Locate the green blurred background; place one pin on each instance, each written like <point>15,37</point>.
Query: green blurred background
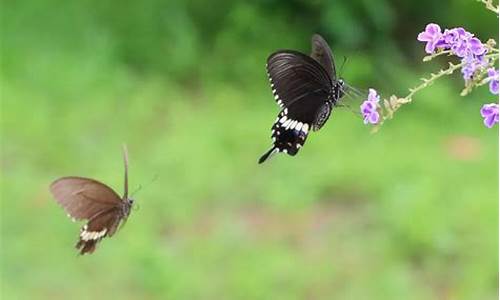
<point>408,213</point>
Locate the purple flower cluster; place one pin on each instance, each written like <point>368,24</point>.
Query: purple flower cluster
<point>490,114</point>
<point>461,43</point>
<point>369,108</point>
<point>471,51</point>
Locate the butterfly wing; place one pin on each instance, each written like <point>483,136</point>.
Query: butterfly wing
<point>296,77</point>
<point>83,198</point>
<point>322,53</point>
<point>302,87</point>
<point>103,224</point>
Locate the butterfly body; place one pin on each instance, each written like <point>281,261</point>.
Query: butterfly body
<point>88,199</point>
<point>306,89</point>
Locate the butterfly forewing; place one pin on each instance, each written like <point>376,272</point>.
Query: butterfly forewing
<point>296,77</point>
<point>322,53</point>
<point>82,198</point>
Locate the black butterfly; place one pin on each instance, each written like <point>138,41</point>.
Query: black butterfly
<point>89,199</point>
<point>306,88</point>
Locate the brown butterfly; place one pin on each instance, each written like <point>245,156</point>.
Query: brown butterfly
<point>91,200</point>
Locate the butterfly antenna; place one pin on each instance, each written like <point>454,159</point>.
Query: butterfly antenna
<point>349,106</point>
<point>125,161</point>
<point>349,93</point>
<point>355,90</point>
<point>342,65</point>
<point>351,88</point>
<point>351,97</point>
<point>350,109</point>
<point>149,183</point>
<point>136,190</point>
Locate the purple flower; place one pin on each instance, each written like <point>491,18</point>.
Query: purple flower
<point>369,108</point>
<point>490,114</point>
<point>475,46</point>
<point>449,37</point>
<point>460,45</point>
<point>493,78</point>
<point>472,65</point>
<point>452,38</point>
<point>432,35</point>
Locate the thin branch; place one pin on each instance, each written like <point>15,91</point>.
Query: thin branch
<point>440,53</point>
<point>394,102</point>
<point>489,5</point>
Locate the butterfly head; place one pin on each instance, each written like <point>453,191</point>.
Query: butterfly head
<point>128,205</point>
<point>338,90</point>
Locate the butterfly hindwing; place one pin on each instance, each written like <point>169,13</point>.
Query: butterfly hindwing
<point>102,225</point>
<point>288,135</point>
<point>322,116</point>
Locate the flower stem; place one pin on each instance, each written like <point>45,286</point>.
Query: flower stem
<point>394,102</point>
<point>440,53</point>
<point>434,77</point>
<point>489,5</point>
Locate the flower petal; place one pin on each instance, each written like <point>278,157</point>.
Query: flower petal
<point>489,121</point>
<point>486,111</point>
<point>492,72</point>
<point>374,117</point>
<point>433,29</point>
<point>476,46</point>
<point>424,37</point>
<point>494,85</point>
<point>372,95</point>
<point>430,47</point>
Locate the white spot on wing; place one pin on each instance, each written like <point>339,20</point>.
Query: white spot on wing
<point>92,235</point>
<point>305,128</point>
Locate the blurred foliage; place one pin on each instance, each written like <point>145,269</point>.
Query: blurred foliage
<point>409,213</point>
